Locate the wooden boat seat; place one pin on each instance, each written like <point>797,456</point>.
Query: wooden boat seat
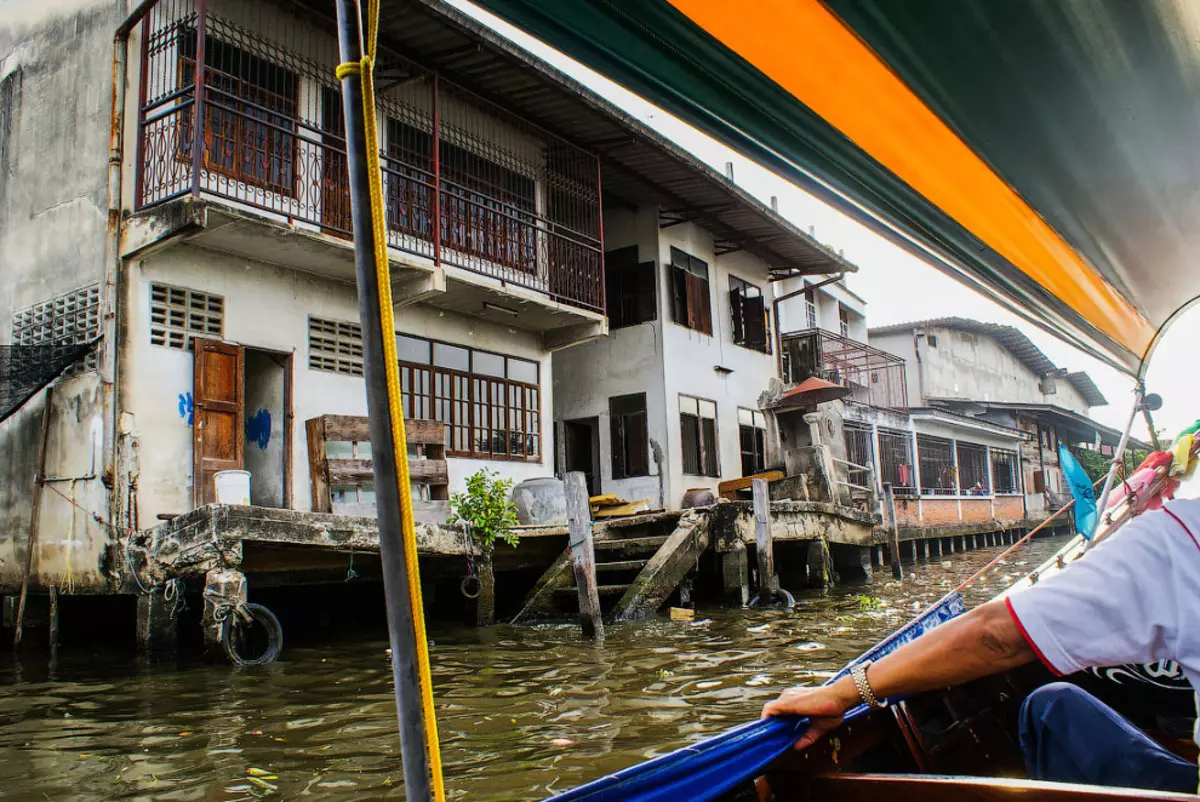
<point>926,788</point>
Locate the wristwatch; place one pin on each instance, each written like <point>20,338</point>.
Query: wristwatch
<point>859,674</point>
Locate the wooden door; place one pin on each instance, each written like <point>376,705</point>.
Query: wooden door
<point>219,395</point>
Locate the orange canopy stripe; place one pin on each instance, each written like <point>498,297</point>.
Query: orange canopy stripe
<point>804,48</point>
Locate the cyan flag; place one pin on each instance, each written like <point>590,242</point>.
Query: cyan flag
<point>1081,490</point>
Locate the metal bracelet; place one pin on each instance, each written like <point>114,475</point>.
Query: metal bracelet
<point>859,674</point>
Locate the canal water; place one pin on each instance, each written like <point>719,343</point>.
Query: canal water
<point>524,712</point>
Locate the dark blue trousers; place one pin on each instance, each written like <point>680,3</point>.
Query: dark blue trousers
<point>1068,735</point>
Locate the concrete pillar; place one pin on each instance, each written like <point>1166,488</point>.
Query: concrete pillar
<point>949,544</point>
<point>820,568</point>
<point>935,547</point>
<point>158,627</point>
<point>924,553</point>
<point>764,542</point>
<point>735,575</point>
<point>485,605</point>
<point>962,543</point>
<point>222,587</point>
<point>852,563</point>
<point>877,556</point>
<point>53,619</point>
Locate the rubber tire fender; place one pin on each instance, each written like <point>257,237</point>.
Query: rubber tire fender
<point>274,637</point>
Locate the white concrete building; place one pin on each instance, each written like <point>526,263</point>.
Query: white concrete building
<point>668,401</point>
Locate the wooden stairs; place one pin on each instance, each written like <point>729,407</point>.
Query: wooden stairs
<point>640,562</point>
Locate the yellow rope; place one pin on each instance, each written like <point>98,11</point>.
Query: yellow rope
<point>399,442</point>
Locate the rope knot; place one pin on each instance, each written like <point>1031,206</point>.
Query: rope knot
<point>348,68</point>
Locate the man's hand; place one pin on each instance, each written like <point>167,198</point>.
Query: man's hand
<point>823,705</point>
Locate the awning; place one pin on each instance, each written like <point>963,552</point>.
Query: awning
<point>1044,153</point>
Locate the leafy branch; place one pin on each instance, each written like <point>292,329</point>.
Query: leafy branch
<point>485,509</point>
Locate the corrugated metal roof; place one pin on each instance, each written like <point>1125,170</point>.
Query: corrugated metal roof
<point>1015,341</point>
<point>639,167</point>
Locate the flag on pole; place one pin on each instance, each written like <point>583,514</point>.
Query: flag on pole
<point>1081,490</point>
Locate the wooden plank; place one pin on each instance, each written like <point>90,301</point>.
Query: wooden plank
<point>893,529</point>
<point>429,471</point>
<point>347,428</point>
<point>729,488</point>
<point>768,582</point>
<point>583,556</point>
<point>919,788</point>
<point>425,432</point>
<point>350,471</point>
<point>621,510</point>
<point>315,429</point>
<point>218,424</point>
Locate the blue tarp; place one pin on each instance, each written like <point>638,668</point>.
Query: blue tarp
<point>717,765</point>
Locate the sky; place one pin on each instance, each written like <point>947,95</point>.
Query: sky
<point>897,286</point>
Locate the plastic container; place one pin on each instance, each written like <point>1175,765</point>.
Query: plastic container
<point>233,487</point>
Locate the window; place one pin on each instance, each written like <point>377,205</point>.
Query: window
<point>630,446</point>
<point>1005,476</point>
<point>177,315</point>
<point>335,346</point>
<point>72,318</point>
<point>491,403</point>
<point>690,303</point>
<point>843,321</point>
<point>629,288</point>
<point>698,420</point>
<point>859,450</point>
<point>249,114</point>
<point>810,306</point>
<point>931,340</point>
<point>939,476</point>
<point>746,306</point>
<point>896,459</point>
<point>752,438</point>
<point>973,470</point>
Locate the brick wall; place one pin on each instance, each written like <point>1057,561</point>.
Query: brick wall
<point>976,509</point>
<point>1009,508</point>
<point>906,511</point>
<point>939,511</point>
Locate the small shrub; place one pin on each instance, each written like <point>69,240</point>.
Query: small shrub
<point>485,510</point>
<point>866,603</point>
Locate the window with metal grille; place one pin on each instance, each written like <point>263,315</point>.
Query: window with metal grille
<point>1006,476</point>
<point>698,421</point>
<point>939,475</point>
<point>335,346</point>
<point>72,318</point>
<point>690,302</point>
<point>752,438</point>
<point>973,470</point>
<point>859,451</point>
<point>749,315</point>
<point>178,314</point>
<point>896,459</point>
<point>630,445</point>
<point>629,288</point>
<point>491,403</point>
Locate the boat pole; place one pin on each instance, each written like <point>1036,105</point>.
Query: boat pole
<point>401,582</point>
<point>1118,458</point>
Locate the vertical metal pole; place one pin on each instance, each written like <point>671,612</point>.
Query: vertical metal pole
<point>198,98</point>
<point>1138,393</point>
<point>437,172</point>
<point>417,778</point>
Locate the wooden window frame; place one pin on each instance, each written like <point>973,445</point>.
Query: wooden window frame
<point>631,288</point>
<point>710,468</point>
<point>757,434</point>
<point>691,292</point>
<point>620,430</point>
<point>748,312</point>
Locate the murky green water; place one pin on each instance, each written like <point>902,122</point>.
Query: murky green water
<point>321,723</point>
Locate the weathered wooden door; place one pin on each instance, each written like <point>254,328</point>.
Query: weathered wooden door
<point>219,397</point>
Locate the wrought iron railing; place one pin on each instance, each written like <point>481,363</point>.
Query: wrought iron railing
<point>874,377</point>
<point>238,101</point>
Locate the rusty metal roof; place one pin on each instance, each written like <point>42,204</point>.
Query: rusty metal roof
<point>639,167</point>
<point>1015,341</point>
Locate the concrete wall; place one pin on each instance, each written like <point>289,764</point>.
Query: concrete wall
<point>268,307</point>
<point>969,366</point>
<point>793,317</point>
<point>629,360</point>
<point>56,88</point>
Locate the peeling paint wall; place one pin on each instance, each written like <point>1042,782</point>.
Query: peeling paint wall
<point>268,307</point>
<point>55,87</point>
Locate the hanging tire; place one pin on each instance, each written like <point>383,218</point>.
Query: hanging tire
<point>788,599</point>
<point>230,640</point>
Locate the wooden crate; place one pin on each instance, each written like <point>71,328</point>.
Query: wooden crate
<point>339,481</point>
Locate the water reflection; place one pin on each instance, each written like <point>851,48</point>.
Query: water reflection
<point>524,712</point>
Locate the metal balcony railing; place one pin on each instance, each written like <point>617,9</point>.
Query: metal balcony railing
<point>238,101</point>
<point>874,377</point>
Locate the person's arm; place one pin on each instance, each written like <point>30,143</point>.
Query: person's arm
<point>985,641</point>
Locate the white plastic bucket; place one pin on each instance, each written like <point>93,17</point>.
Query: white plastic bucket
<point>233,487</point>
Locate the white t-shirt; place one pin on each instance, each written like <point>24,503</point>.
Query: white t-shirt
<point>1134,598</point>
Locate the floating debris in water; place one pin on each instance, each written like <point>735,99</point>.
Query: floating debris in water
<point>563,742</point>
<point>760,628</point>
<point>758,680</point>
<point>811,646</point>
<point>706,685</point>
<point>946,564</point>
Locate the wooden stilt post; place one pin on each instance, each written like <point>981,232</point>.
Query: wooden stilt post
<point>768,582</point>
<point>53,618</point>
<point>31,542</point>
<point>893,527</point>
<point>583,554</point>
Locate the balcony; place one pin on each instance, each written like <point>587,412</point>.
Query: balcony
<point>240,112</point>
<point>875,377</point>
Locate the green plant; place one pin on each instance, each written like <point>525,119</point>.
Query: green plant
<point>485,510</point>
<point>866,603</point>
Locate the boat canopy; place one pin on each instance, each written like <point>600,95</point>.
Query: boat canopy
<point>1043,153</point>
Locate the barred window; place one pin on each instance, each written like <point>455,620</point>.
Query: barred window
<point>72,318</point>
<point>896,459</point>
<point>178,314</point>
<point>1006,478</point>
<point>973,470</point>
<point>939,474</point>
<point>860,451</point>
<point>335,346</point>
<point>490,403</point>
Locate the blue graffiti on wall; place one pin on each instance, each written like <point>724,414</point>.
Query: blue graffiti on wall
<point>186,408</point>
<point>258,428</point>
